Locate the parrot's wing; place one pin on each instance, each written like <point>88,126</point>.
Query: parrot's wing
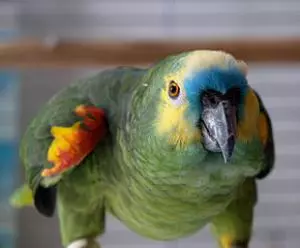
<point>267,135</point>
<point>66,130</point>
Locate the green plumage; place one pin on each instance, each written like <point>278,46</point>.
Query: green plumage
<point>158,190</point>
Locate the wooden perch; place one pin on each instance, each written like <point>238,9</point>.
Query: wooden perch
<point>33,53</point>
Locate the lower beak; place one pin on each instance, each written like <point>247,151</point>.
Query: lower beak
<point>219,128</point>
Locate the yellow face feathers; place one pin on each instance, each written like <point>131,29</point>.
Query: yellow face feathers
<point>171,120</point>
<point>243,67</point>
<point>247,128</point>
<point>254,123</point>
<point>203,59</point>
<point>263,129</point>
<point>172,109</point>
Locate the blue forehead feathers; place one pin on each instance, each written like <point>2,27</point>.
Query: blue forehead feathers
<point>217,79</point>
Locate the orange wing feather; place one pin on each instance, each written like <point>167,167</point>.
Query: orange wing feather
<point>72,144</point>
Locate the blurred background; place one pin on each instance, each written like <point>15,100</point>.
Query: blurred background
<point>22,91</point>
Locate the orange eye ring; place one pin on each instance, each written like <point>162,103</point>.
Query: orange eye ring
<point>174,89</point>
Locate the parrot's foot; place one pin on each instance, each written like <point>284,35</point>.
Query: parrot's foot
<point>72,144</point>
<point>84,243</point>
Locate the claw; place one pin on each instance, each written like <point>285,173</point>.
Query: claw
<point>72,144</point>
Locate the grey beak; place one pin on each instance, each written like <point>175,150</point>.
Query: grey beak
<point>219,128</point>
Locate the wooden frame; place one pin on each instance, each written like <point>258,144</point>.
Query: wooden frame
<point>30,53</point>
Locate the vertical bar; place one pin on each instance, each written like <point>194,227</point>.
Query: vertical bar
<point>9,119</point>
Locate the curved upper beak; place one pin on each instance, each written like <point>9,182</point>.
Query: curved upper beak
<point>219,128</point>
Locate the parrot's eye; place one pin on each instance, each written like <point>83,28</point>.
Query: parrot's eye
<point>174,89</point>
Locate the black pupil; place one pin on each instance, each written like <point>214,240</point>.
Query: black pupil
<point>173,89</point>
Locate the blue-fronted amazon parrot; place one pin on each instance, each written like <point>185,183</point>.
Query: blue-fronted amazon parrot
<point>166,150</point>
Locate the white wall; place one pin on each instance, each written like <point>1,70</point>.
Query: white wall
<point>148,19</point>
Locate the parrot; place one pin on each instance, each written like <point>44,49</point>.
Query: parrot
<point>166,149</point>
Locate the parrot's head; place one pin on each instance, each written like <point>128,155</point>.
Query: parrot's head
<point>204,98</point>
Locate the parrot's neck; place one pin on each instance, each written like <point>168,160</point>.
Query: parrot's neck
<point>190,166</point>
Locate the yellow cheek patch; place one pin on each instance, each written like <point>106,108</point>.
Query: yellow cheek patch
<point>263,129</point>
<point>169,116</point>
<point>247,129</point>
<point>171,121</point>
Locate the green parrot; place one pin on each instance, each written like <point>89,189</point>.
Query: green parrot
<point>166,150</point>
